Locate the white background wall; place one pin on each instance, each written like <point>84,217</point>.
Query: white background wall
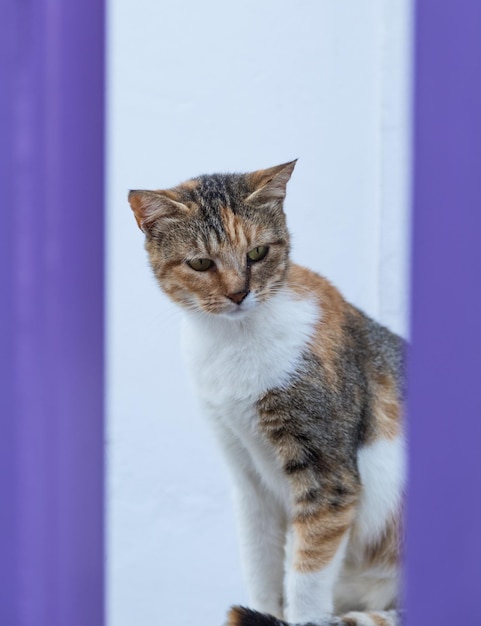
<point>197,87</point>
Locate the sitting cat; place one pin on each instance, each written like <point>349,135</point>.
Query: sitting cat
<point>304,392</point>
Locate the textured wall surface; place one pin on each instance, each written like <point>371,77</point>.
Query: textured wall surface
<point>213,86</point>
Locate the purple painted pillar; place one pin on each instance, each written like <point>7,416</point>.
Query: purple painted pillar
<point>51,313</point>
<point>7,414</point>
<point>443,585</point>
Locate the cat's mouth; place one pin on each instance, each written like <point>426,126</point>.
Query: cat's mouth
<point>224,308</point>
<point>239,311</point>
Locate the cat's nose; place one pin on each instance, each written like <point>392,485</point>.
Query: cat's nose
<point>238,296</point>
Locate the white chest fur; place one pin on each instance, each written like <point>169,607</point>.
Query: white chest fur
<point>239,359</point>
<point>233,362</point>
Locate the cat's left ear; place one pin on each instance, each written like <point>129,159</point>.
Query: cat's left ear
<point>151,207</point>
<point>269,186</point>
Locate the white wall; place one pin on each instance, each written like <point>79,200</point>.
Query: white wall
<point>217,86</point>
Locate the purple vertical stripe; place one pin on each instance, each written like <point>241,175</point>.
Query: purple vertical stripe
<point>51,241</point>
<point>7,321</point>
<point>444,500</point>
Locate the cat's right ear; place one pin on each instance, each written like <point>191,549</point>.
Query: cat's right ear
<point>155,207</point>
<point>269,186</point>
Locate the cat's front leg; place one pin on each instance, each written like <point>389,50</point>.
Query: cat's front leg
<point>262,532</point>
<point>262,525</point>
<point>325,488</point>
<point>315,552</point>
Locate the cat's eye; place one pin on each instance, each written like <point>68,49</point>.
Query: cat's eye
<point>258,253</point>
<point>200,265</point>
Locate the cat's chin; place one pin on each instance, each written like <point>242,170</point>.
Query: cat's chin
<point>230,313</point>
<point>236,314</point>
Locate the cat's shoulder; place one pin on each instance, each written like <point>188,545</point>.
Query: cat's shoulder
<point>304,283</point>
<point>334,310</point>
<point>343,330</point>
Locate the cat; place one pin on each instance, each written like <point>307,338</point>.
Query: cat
<point>304,392</point>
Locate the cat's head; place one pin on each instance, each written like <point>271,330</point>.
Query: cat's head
<point>218,243</point>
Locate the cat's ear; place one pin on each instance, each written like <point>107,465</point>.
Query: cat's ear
<point>269,186</point>
<point>159,207</point>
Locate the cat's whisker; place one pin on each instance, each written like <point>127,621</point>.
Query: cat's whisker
<point>162,317</point>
